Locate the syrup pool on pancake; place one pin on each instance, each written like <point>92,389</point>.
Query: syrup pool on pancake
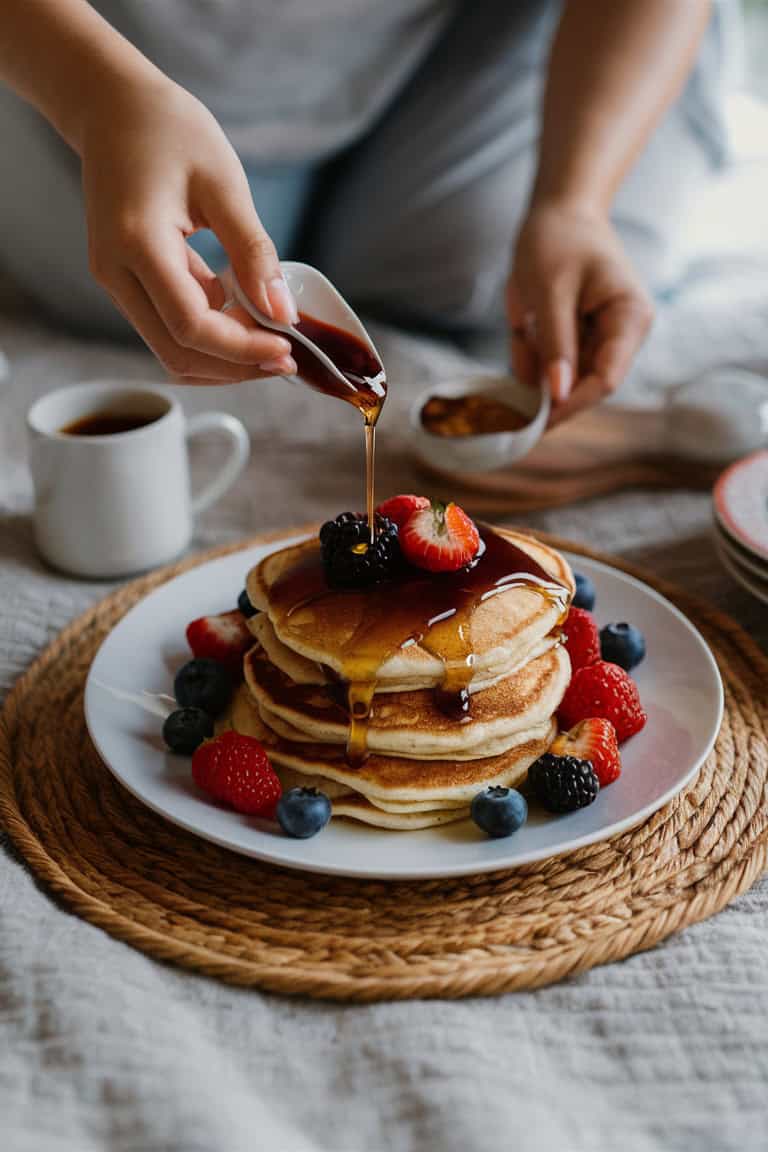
<point>431,605</point>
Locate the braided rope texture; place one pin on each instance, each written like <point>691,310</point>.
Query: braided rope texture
<point>180,899</point>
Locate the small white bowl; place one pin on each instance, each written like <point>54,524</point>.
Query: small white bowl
<point>315,295</point>
<point>489,450</point>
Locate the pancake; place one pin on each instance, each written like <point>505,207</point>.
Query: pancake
<point>297,667</point>
<point>456,678</point>
<point>410,724</point>
<point>393,780</point>
<point>304,671</point>
<point>391,814</point>
<point>504,628</point>
<point>357,808</point>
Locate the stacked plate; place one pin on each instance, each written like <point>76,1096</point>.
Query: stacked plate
<point>740,501</point>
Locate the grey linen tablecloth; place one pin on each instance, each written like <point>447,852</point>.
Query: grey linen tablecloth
<point>103,1048</point>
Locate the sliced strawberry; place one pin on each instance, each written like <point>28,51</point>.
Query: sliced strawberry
<point>399,508</point>
<point>235,770</point>
<point>440,538</point>
<point>594,740</point>
<point>225,638</point>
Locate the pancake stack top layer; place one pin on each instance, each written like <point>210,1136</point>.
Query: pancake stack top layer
<point>403,701</point>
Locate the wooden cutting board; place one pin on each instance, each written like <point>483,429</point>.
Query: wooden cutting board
<point>601,451</point>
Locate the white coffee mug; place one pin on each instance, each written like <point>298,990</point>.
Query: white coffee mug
<point>113,504</point>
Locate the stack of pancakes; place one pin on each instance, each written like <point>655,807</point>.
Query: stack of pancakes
<point>424,765</point>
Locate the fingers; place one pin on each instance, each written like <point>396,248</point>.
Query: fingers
<point>544,335</point>
<point>588,391</point>
<point>161,261</point>
<point>556,311</point>
<point>525,361</point>
<point>610,343</point>
<point>621,327</point>
<point>234,219</point>
<point>207,279</point>
<point>185,364</point>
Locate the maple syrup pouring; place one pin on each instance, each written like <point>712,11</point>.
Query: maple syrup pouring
<point>434,611</point>
<point>363,372</point>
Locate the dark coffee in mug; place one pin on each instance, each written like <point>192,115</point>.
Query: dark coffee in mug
<point>109,423</point>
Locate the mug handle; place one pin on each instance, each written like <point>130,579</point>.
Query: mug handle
<point>240,450</point>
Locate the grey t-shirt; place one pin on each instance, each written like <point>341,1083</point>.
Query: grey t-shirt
<point>289,80</point>
<point>295,80</point>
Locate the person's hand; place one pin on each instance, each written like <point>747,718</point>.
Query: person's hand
<point>576,310</point>
<point>157,167</point>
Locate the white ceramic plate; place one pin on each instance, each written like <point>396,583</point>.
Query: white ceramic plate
<point>679,684</point>
<point>742,574</point>
<point>740,500</point>
<point>740,556</point>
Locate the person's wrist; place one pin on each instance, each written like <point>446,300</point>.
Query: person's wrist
<point>572,201</point>
<point>101,88</point>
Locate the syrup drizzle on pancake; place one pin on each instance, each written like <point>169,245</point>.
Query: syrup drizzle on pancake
<point>433,610</point>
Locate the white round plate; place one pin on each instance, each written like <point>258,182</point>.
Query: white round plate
<point>741,574</point>
<point>679,684</point>
<point>740,499</point>
<point>743,559</point>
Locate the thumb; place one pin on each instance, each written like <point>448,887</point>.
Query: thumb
<point>555,313</point>
<point>232,216</point>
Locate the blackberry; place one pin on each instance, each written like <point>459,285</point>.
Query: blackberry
<point>349,558</point>
<point>563,783</point>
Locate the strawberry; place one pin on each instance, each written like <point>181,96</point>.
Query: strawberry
<point>606,691</point>
<point>225,638</point>
<point>399,508</point>
<point>593,740</point>
<point>582,638</point>
<point>234,769</point>
<point>440,538</point>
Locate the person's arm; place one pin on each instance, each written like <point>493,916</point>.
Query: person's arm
<point>156,167</point>
<point>576,310</point>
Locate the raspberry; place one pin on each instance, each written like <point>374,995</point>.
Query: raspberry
<point>606,691</point>
<point>235,770</point>
<point>582,639</point>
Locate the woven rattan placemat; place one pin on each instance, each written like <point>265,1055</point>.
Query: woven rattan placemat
<point>181,899</point>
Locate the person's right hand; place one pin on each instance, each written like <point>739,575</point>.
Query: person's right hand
<point>156,168</point>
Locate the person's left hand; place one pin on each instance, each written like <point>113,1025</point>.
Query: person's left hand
<point>576,310</point>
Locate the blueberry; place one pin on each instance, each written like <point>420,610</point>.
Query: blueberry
<point>303,812</point>
<point>585,592</point>
<point>186,728</point>
<point>203,683</point>
<point>245,606</point>
<point>499,811</point>
<point>622,644</point>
